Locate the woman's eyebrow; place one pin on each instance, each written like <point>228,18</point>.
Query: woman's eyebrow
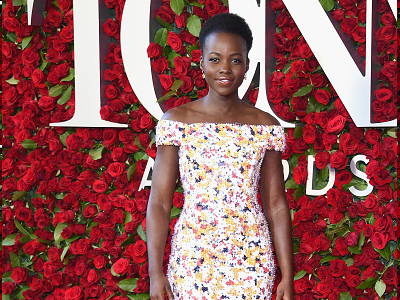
<point>217,53</point>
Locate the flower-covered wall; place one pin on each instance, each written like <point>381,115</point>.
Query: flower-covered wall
<point>73,217</point>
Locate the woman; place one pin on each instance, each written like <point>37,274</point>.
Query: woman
<point>224,150</point>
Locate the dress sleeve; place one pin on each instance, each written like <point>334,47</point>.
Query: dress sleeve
<point>169,133</point>
<point>276,138</point>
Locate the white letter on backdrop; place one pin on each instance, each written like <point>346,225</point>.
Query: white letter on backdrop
<point>256,18</point>
<point>311,178</point>
<point>87,65</point>
<point>135,32</point>
<point>359,174</point>
<point>353,88</point>
<point>145,179</point>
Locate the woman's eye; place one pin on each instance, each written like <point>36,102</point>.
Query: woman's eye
<point>236,61</point>
<point>213,59</point>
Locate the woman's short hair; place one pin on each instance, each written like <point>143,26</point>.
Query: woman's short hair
<point>226,22</point>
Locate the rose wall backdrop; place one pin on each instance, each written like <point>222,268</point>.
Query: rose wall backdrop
<point>73,219</point>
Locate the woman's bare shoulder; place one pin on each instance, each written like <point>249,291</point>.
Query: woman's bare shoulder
<point>261,117</point>
<point>181,113</point>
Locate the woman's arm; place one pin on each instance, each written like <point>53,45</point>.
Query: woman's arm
<point>276,208</point>
<point>164,177</point>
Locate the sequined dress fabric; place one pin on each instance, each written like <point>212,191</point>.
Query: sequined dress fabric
<point>221,248</point>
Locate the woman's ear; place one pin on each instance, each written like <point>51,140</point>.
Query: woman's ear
<point>201,63</point>
<point>247,64</point>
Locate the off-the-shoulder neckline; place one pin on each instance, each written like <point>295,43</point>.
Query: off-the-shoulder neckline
<point>222,124</point>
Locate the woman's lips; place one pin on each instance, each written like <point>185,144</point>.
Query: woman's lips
<point>224,81</point>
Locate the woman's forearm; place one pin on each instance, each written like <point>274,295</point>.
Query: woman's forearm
<point>157,224</point>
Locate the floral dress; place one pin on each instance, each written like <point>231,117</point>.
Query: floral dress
<point>221,248</point>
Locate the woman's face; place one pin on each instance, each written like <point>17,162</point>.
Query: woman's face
<point>224,62</point>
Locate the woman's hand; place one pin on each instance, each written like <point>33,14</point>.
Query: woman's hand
<point>284,291</point>
<point>159,285</point>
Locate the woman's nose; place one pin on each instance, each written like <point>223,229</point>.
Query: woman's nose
<point>225,67</point>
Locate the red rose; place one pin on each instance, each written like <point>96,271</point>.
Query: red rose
<point>309,133</point>
<point>196,55</point>
<point>349,25</point>
<point>165,13</point>
<point>322,158</point>
<point>274,94</point>
<point>111,27</point>
<point>154,50</point>
<point>140,251</point>
<point>67,34</point>
<point>342,177</point>
<point>352,239</point>
<point>55,17</point>
<point>109,137</point>
<point>178,200</point>
<point>160,65</point>
<point>174,41</point>
<point>64,5</point>
<point>300,174</point>
<point>383,94</point>
<point>23,214</point>
<point>338,267</point>
<point>390,276</point>
<point>121,265</point>
<point>180,20</point>
<point>379,240</point>
<point>47,103</point>
<point>115,169</point>
<point>166,81</point>
<point>322,289</point>
<point>142,286</point>
<point>7,287</point>
<point>386,33</point>
<point>380,177</point>
<point>389,71</point>
<point>74,293</point>
<point>19,275</point>
<point>336,124</point>
<point>182,65</point>
<point>322,96</point>
<point>353,281</point>
<point>147,122</point>
<point>339,160</point>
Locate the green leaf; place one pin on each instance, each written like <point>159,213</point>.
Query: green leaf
<point>369,282</point>
<point>9,240</point>
<point>287,67</point>
<point>15,260</point>
<point>175,212</point>
<point>225,2</point>
<point>21,228</point>
<point>194,25</point>
<point>43,65</point>
<point>21,290</point>
<point>128,284</point>
<point>57,233</point>
<point>327,258</point>
<point>345,296</point>
<point>5,297</point>
<point>161,37</point>
<point>324,173</point>
<point>29,144</point>
<point>164,23</point>
<point>298,132</point>
<point>300,274</point>
<point>385,252</point>
<point>12,37</point>
<point>361,241</point>
<point>328,5</point>
<point>12,80</point>
<point>354,250</point>
<point>392,132</point>
<point>141,232</point>
<point>57,90</point>
<point>177,6</point>
<point>113,272</point>
<point>291,184</point>
<point>349,261</point>
<point>171,57</point>
<point>303,91</point>
<point>18,195</point>
<point>17,2</point>
<point>96,151</point>
<point>176,85</point>
<point>167,96</point>
<point>25,41</point>
<point>65,96</point>
<point>71,239</point>
<point>63,138</point>
<point>380,287</point>
<point>139,296</point>
<point>139,155</point>
<point>300,191</point>
<point>128,217</point>
<point>131,171</point>
<point>70,76</point>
